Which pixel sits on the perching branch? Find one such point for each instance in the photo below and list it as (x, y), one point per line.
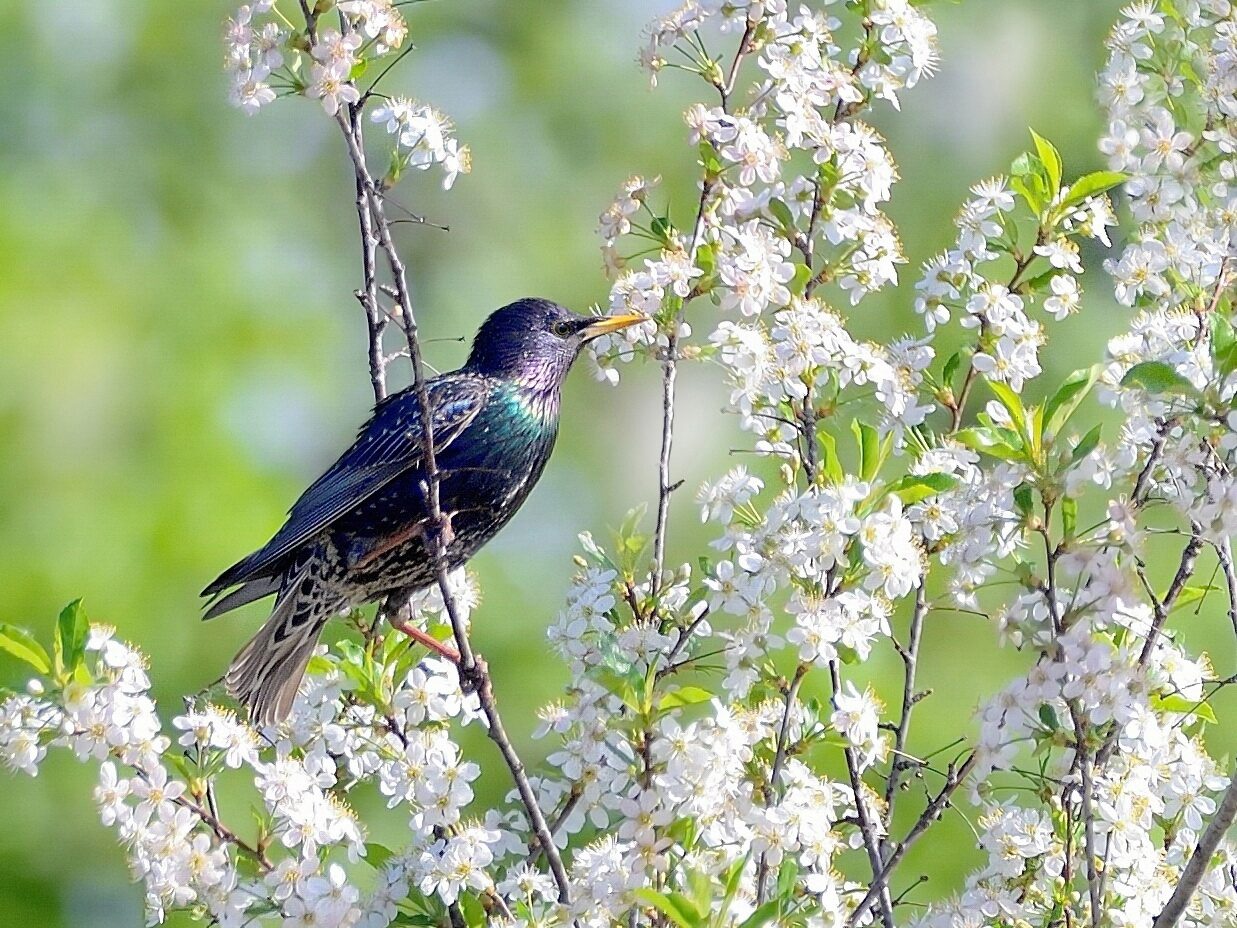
(473, 671)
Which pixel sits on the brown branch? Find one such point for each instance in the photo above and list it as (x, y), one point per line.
(910, 661)
(867, 828)
(473, 671)
(1196, 869)
(953, 779)
(775, 772)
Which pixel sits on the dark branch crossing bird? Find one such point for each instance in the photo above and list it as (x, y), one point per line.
(363, 530)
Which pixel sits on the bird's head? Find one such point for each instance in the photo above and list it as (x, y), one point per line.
(534, 341)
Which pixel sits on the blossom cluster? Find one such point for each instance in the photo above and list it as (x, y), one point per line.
(719, 757)
(325, 59)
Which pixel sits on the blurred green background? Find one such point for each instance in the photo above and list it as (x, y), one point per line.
(181, 351)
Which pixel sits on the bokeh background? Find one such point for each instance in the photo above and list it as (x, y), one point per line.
(180, 351)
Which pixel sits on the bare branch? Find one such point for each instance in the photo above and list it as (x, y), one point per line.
(871, 841)
(1196, 869)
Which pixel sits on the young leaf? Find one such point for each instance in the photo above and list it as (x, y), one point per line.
(675, 906)
(832, 463)
(997, 443)
(21, 644)
(1012, 403)
(377, 854)
(869, 449)
(951, 368)
(1069, 516)
(1157, 378)
(71, 630)
(1182, 706)
(1085, 445)
(1191, 594)
(1090, 185)
(685, 696)
(1051, 159)
(1024, 498)
(912, 488)
(1061, 406)
(781, 212)
(1223, 344)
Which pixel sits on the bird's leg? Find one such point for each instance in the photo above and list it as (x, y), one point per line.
(399, 617)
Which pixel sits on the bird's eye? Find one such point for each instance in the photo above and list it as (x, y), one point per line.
(563, 328)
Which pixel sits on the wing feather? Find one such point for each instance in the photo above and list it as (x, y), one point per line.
(389, 444)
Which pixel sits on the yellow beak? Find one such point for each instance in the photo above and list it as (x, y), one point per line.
(606, 324)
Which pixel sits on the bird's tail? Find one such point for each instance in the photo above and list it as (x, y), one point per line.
(266, 674)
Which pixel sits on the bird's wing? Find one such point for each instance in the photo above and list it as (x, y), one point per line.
(389, 444)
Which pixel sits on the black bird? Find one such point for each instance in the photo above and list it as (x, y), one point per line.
(360, 532)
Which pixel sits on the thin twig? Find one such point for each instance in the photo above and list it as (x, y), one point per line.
(1094, 890)
(775, 772)
(1196, 868)
(1225, 551)
(867, 827)
(910, 661)
(953, 779)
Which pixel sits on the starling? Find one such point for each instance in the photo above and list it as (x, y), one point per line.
(362, 530)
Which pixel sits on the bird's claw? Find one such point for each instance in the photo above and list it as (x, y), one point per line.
(474, 678)
(446, 531)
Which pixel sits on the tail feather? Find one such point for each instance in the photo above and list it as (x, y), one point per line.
(254, 590)
(266, 674)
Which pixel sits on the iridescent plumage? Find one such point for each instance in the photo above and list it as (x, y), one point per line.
(359, 532)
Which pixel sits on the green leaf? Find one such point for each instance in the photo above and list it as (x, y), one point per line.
(1085, 445)
(1191, 594)
(1027, 179)
(318, 665)
(1051, 159)
(1182, 706)
(1062, 404)
(951, 368)
(781, 212)
(869, 449)
(620, 685)
(1024, 498)
(685, 696)
(787, 874)
(709, 160)
(1158, 378)
(376, 855)
(913, 488)
(675, 906)
(763, 915)
(21, 644)
(798, 283)
(71, 630)
(1090, 185)
(1069, 516)
(992, 442)
(1048, 716)
(832, 463)
(1223, 344)
(1013, 405)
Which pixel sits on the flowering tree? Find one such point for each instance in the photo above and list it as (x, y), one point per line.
(902, 484)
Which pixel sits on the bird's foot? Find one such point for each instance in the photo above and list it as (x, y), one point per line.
(424, 638)
(446, 532)
(475, 679)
